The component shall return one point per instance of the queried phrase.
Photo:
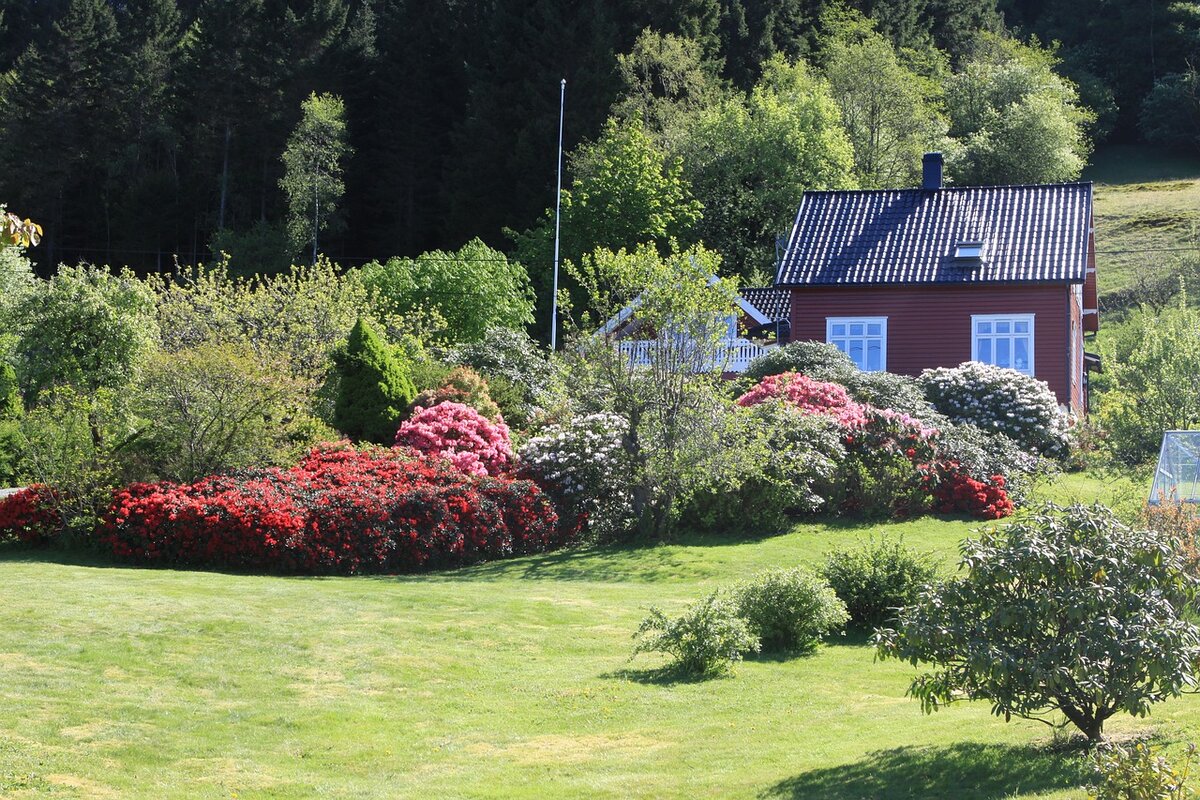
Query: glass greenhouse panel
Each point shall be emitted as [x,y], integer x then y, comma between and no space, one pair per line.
[1177,478]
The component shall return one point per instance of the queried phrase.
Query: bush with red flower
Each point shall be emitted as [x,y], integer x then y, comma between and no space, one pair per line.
[29,516]
[461,435]
[954,490]
[340,511]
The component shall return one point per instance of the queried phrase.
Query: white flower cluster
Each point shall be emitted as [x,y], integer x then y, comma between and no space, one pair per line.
[1000,400]
[583,462]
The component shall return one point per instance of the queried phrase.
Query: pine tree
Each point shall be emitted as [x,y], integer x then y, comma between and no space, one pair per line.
[374,388]
[58,113]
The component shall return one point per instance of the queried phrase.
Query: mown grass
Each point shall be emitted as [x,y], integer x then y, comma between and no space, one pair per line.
[1147,212]
[504,680]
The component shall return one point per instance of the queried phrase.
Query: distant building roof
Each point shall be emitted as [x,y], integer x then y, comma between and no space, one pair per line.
[972,234]
[775,304]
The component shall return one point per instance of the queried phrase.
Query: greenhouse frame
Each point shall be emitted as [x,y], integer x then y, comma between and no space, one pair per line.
[1177,478]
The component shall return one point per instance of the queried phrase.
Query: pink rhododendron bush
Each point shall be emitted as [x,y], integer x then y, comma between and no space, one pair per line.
[461,435]
[806,394]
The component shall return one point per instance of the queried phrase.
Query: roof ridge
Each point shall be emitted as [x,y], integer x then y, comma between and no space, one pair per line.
[955,188]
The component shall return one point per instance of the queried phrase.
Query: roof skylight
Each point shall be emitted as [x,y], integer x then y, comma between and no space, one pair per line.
[969,251]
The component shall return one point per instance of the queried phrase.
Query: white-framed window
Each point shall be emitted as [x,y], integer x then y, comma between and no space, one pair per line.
[864,339]
[1005,340]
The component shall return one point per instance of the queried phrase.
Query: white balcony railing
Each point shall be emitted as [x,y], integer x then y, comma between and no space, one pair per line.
[734,356]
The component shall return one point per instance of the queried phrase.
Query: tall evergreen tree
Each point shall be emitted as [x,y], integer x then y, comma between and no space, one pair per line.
[503,168]
[59,109]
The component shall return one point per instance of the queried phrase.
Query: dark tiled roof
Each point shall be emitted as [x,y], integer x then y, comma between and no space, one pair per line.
[773,303]
[1030,233]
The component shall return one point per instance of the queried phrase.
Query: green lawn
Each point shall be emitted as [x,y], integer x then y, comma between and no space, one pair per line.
[505,680]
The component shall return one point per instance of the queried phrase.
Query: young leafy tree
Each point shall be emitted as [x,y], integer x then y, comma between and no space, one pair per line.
[627,191]
[86,327]
[313,170]
[374,390]
[1016,119]
[750,160]
[889,113]
[669,399]
[472,289]
[11,407]
[1152,383]
[1068,610]
[665,77]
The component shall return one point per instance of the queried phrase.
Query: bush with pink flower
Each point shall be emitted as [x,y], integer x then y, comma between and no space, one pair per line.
[461,435]
[808,395]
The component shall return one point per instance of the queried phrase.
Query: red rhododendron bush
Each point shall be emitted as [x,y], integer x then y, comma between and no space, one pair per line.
[461,435]
[28,516]
[339,511]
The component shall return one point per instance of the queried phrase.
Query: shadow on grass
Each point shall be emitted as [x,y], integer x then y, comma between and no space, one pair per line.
[967,769]
[660,676]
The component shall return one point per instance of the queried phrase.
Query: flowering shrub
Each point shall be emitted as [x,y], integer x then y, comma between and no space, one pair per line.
[461,435]
[582,466]
[28,516]
[999,400]
[461,385]
[806,394]
[881,473]
[338,511]
[955,490]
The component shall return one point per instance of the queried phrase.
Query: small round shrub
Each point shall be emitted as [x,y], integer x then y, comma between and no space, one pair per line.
[461,385]
[876,578]
[805,394]
[1002,401]
[582,465]
[509,354]
[789,610]
[706,640]
[818,360]
[461,435]
[1140,772]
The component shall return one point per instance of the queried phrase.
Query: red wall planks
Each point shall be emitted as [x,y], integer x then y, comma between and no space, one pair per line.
[930,325]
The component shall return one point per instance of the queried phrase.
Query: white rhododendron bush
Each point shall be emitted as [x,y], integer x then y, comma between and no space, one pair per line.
[999,400]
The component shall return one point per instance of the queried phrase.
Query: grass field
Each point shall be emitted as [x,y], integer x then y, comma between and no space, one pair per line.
[1147,213]
[504,680]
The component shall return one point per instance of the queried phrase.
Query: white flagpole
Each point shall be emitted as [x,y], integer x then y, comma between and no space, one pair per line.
[562,104]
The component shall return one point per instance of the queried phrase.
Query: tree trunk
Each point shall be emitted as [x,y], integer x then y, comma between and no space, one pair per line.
[224,178]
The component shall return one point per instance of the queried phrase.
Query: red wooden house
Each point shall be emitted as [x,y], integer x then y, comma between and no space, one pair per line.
[907,279]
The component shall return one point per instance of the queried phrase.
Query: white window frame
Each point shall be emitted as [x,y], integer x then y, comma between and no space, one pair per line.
[994,318]
[882,321]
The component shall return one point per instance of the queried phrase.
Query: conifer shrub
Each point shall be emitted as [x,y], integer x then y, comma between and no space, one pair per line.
[374,388]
